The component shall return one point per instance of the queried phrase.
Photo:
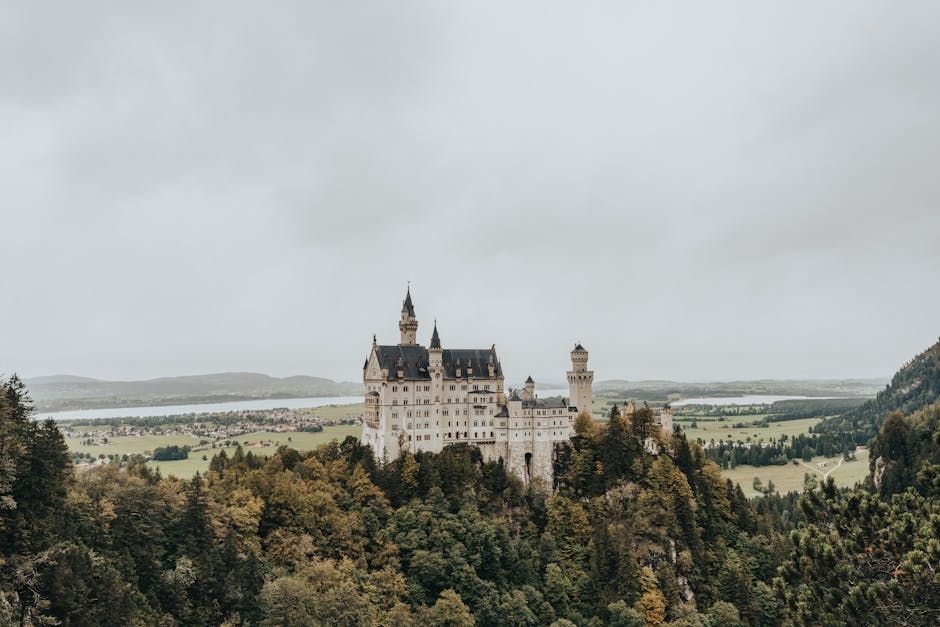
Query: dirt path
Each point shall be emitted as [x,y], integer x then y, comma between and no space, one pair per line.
[826,474]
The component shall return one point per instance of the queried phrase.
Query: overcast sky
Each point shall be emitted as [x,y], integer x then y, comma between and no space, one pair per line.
[695,191]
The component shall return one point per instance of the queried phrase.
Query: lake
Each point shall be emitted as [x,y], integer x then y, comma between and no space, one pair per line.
[199,408]
[748,399]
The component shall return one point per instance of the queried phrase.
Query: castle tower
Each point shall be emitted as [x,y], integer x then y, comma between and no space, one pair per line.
[665,419]
[580,380]
[408,324]
[529,393]
[435,352]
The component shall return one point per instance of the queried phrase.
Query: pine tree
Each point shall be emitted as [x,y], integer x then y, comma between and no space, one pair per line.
[651,604]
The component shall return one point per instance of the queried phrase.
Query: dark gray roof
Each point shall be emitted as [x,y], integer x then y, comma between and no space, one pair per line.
[578,347]
[407,306]
[555,402]
[414,361]
[529,380]
[435,338]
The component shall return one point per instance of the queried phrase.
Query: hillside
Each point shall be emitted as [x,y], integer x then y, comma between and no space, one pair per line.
[60,392]
[906,453]
[915,385]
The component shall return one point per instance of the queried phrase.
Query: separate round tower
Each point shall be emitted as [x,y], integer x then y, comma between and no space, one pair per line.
[580,381]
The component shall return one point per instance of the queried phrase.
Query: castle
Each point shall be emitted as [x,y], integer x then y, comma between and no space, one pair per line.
[422,399]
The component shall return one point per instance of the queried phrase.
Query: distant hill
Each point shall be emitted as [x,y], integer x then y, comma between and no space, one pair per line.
[660,390]
[914,386]
[60,392]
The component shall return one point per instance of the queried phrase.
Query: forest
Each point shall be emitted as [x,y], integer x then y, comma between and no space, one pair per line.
[631,534]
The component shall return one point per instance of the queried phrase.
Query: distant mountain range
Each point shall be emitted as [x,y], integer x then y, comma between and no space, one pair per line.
[915,385]
[61,392]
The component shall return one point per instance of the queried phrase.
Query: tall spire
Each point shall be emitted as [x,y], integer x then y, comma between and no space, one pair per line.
[407,307]
[435,338]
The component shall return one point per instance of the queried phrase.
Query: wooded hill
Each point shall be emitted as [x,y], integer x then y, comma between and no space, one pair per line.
[915,385]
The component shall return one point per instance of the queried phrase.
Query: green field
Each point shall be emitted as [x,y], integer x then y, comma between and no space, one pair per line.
[131,444]
[724,431]
[789,478]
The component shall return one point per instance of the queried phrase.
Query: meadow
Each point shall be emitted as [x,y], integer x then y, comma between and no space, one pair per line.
[789,477]
[708,430]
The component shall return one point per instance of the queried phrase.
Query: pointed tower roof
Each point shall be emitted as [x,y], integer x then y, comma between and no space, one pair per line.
[530,380]
[435,338]
[407,307]
[578,347]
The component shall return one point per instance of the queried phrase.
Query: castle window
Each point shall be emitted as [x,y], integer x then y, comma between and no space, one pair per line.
[394,388]
[404,388]
[405,402]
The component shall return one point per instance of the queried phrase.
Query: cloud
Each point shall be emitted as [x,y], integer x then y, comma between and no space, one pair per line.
[692,191]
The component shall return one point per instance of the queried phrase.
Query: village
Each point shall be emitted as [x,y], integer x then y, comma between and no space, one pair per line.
[116,440]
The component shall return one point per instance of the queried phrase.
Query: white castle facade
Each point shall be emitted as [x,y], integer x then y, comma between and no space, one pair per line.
[424,398]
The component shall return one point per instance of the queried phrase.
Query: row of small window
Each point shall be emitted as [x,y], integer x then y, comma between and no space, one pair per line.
[418,388]
[476,434]
[453,388]
[418,414]
[466,435]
